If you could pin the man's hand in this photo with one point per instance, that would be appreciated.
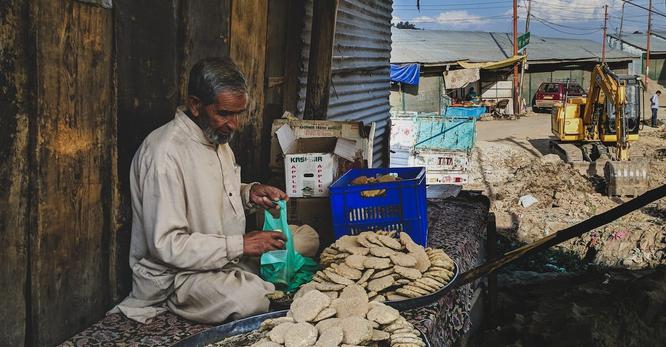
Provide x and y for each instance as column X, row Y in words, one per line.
column 265, row 196
column 257, row 243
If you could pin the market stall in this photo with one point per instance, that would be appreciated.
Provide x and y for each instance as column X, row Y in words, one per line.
column 456, row 224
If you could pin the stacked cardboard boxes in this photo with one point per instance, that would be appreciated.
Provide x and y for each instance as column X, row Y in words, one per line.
column 311, row 155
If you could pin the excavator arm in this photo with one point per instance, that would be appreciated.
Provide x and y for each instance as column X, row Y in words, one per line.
column 603, row 80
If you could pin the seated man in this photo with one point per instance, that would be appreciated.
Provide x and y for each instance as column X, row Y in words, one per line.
column 189, row 250
column 472, row 95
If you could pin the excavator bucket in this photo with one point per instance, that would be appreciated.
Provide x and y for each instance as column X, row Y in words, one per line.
column 626, row 178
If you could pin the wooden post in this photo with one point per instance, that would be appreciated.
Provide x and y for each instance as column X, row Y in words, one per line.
column 292, row 69
column 603, row 45
column 649, row 33
column 249, row 25
column 321, row 55
column 73, row 175
column 17, row 109
column 524, row 61
column 516, row 102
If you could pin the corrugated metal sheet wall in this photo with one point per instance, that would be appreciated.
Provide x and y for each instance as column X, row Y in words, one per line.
column 360, row 67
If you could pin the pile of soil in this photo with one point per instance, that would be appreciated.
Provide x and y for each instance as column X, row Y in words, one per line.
column 592, row 308
column 508, row 171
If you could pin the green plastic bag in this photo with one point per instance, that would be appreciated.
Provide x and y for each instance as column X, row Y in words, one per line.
column 285, row 268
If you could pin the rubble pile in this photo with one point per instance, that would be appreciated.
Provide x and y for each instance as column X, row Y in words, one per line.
column 511, row 175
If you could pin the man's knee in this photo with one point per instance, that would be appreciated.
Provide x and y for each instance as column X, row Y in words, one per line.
column 215, row 297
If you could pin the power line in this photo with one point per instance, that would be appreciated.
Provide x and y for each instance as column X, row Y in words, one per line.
column 553, row 27
column 564, row 26
column 458, row 19
column 454, row 4
column 645, row 8
column 458, row 8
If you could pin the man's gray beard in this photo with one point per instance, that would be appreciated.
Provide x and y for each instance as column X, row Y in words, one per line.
column 215, row 136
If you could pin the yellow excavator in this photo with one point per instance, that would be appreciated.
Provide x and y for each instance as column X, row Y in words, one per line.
column 599, row 128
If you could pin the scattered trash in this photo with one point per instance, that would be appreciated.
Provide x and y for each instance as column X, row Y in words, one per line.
column 618, row 235
column 527, row 200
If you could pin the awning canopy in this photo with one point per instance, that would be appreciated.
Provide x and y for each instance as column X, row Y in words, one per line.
column 492, row 64
column 460, row 78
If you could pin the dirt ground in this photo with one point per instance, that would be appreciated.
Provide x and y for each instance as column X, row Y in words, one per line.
column 605, row 288
column 512, row 159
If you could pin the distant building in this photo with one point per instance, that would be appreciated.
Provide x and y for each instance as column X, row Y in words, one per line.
column 635, row 43
column 439, row 51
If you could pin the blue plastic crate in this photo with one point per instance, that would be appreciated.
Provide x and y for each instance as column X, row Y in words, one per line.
column 401, row 208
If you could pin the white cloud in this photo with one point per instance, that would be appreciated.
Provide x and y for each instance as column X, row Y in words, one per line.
column 396, row 19
column 422, row 19
column 568, row 11
column 454, row 19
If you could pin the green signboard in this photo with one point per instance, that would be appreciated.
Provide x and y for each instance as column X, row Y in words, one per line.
column 523, row 40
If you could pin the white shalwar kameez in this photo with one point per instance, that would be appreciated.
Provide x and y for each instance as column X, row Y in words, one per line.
column 187, row 230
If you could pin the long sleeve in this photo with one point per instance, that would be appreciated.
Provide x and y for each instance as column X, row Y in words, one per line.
column 168, row 234
column 245, row 195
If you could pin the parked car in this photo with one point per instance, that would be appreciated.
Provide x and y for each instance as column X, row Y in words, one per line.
column 551, row 92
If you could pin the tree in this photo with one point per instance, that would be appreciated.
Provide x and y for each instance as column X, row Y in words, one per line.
column 405, row 25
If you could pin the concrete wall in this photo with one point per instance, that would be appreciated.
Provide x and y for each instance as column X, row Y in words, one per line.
column 426, row 97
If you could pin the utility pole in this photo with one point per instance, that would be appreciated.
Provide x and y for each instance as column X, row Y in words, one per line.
column 621, row 23
column 516, row 107
column 524, row 62
column 603, row 48
column 649, row 33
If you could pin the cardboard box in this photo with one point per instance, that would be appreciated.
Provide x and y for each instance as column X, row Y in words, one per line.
column 313, row 153
column 309, row 174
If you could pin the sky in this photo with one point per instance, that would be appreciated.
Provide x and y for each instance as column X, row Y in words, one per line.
column 583, row 19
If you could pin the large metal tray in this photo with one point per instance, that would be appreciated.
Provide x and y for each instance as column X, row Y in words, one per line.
column 240, row 326
column 426, row 300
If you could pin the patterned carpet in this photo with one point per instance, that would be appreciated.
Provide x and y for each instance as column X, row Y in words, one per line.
column 457, row 225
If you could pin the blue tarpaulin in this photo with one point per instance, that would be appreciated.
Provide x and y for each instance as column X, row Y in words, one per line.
column 407, row 73
column 463, row 112
column 445, row 133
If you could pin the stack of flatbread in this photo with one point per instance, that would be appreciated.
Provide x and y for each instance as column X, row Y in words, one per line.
column 351, row 319
column 388, row 268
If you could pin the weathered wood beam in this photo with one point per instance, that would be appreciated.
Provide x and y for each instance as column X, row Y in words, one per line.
column 296, row 12
column 17, row 106
column 73, row 173
column 321, row 55
column 248, row 35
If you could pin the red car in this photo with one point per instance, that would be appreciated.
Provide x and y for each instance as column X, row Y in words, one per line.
column 551, row 92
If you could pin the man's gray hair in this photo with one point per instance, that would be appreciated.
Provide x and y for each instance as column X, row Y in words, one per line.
column 211, row 76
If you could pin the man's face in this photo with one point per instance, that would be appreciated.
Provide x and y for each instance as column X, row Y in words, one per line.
column 220, row 119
